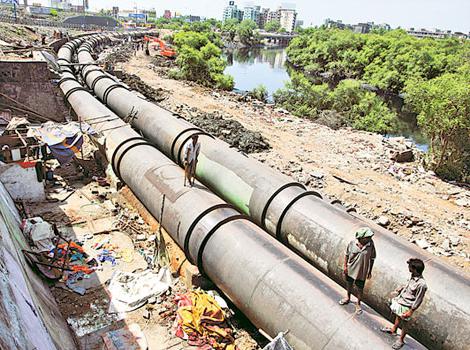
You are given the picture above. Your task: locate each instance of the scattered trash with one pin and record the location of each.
(201, 321)
(278, 343)
(107, 255)
(39, 232)
(129, 338)
(129, 291)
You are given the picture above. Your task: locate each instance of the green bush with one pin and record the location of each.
(260, 93)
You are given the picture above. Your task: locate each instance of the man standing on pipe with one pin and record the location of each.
(191, 152)
(408, 300)
(358, 263)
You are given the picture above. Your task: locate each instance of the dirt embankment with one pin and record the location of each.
(353, 166)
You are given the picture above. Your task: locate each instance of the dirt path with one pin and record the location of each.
(403, 197)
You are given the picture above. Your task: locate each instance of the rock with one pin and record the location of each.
(383, 221)
(454, 240)
(317, 175)
(403, 156)
(463, 202)
(446, 245)
(422, 243)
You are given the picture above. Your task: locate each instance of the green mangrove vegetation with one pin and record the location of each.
(358, 75)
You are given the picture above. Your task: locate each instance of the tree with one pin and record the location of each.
(272, 26)
(443, 107)
(246, 30)
(199, 60)
(229, 28)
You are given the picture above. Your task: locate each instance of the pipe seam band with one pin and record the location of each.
(83, 49)
(116, 150)
(177, 160)
(97, 79)
(85, 75)
(286, 209)
(173, 144)
(63, 80)
(196, 221)
(273, 196)
(121, 156)
(72, 90)
(109, 89)
(211, 233)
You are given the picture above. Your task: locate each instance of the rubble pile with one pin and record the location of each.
(118, 54)
(228, 130)
(160, 61)
(137, 84)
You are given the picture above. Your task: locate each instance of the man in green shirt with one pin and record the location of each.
(358, 263)
(409, 298)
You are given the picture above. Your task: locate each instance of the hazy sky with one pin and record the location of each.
(442, 14)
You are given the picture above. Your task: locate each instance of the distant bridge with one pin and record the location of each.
(277, 38)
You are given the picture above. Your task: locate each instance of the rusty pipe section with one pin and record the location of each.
(299, 218)
(272, 286)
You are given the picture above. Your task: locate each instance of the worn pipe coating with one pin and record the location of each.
(272, 286)
(301, 219)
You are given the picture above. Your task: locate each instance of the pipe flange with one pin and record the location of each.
(110, 88)
(273, 196)
(98, 78)
(209, 235)
(196, 221)
(286, 209)
(177, 160)
(72, 90)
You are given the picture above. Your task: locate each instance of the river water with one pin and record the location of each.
(253, 67)
(267, 66)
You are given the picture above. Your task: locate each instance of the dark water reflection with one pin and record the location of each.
(253, 67)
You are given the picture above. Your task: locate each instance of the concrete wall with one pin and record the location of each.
(29, 82)
(29, 316)
(22, 183)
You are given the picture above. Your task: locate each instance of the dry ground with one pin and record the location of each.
(420, 207)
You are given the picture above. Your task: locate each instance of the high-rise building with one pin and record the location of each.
(232, 12)
(263, 18)
(287, 19)
(274, 15)
(252, 12)
(167, 14)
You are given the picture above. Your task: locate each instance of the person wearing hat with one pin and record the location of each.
(358, 263)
